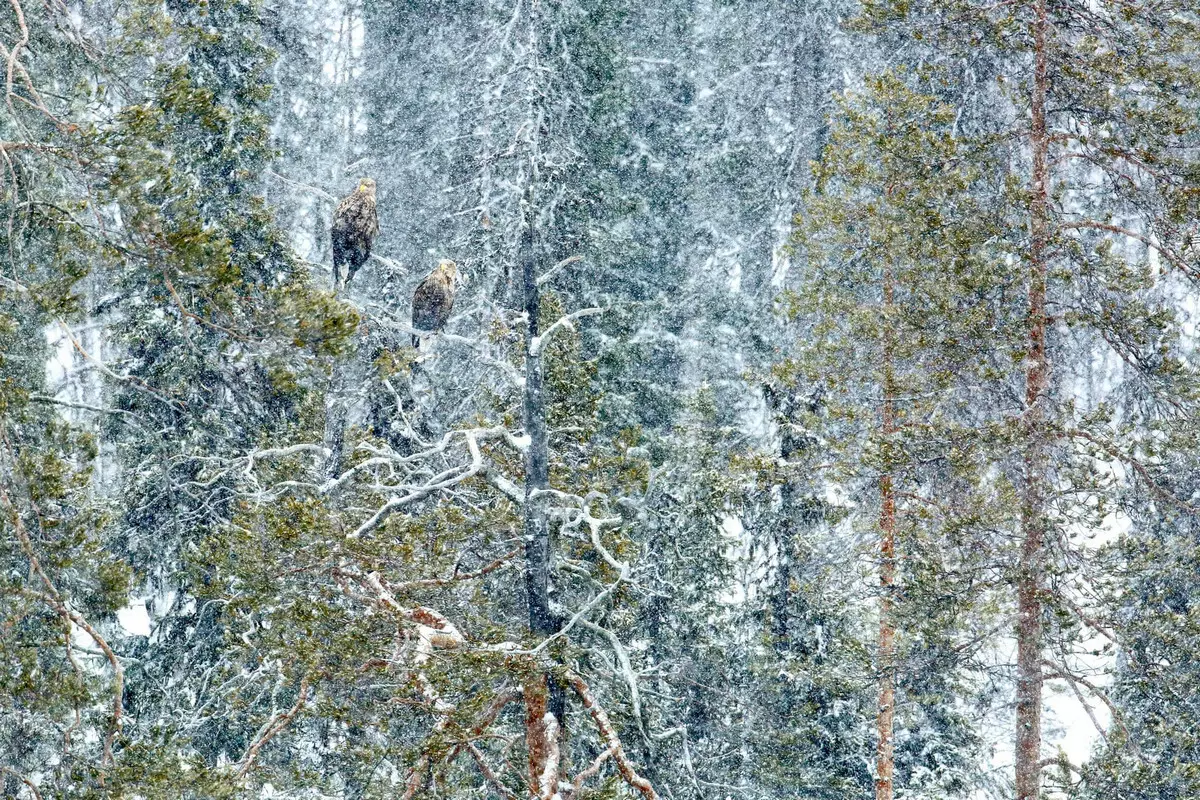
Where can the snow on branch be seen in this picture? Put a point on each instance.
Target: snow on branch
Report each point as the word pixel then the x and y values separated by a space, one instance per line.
pixel 444 480
pixel 568 321
pixel 433 629
pixel 582 613
pixel 626 669
pixel 283 452
pixel 546 276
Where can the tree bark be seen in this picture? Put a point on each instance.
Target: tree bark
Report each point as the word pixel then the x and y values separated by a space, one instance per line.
pixel 336 414
pixel 543 622
pixel 885 720
pixel 1033 524
pixel 537 457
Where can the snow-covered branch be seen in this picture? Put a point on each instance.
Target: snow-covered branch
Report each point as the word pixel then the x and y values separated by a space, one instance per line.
pixel 444 480
pixel 567 321
pixel 549 274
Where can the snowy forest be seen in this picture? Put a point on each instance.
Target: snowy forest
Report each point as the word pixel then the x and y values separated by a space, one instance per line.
pixel 575 400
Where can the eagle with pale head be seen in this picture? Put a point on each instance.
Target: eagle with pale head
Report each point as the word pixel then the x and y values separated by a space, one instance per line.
pixel 355 226
pixel 433 300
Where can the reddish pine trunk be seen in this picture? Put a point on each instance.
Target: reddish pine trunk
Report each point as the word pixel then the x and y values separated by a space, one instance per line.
pixel 884 756
pixel 884 761
pixel 541 739
pixel 1029 601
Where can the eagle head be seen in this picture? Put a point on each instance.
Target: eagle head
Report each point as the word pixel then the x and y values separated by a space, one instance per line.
pixel 367 185
pixel 448 271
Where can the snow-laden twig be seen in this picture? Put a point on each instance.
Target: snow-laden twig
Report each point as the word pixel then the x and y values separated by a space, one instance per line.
pixel 626 670
pixel 581 614
pixel 537 344
pixel 546 276
pixel 283 452
pixel 444 480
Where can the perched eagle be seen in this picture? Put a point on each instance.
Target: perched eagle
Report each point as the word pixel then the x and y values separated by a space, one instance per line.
pixel 433 300
pixel 355 225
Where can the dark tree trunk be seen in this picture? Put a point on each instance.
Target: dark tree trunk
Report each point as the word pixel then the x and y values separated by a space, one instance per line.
pixel 542 621
pixel 335 420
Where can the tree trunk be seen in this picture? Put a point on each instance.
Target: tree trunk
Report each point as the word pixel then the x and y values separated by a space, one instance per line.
pixel 1029 604
pixel 537 459
pixel 336 413
pixel 885 721
pixel 542 729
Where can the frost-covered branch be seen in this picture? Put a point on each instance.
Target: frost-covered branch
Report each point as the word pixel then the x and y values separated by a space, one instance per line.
pixel 537 344
pixel 549 274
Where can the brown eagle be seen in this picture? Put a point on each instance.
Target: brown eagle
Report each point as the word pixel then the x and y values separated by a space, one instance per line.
pixel 433 300
pixel 355 225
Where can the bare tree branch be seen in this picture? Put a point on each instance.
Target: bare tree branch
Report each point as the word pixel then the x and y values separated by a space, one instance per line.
pixel 604 725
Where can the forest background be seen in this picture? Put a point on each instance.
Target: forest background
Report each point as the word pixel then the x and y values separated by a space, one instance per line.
pixel 816 419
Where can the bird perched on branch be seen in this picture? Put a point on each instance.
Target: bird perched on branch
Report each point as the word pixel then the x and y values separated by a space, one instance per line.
pixel 433 300
pixel 355 225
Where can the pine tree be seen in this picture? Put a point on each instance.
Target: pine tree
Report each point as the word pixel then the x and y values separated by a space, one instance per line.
pixel 1097 191
pixel 897 302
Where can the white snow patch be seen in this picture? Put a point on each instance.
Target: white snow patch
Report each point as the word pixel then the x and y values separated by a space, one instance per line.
pixel 134 619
